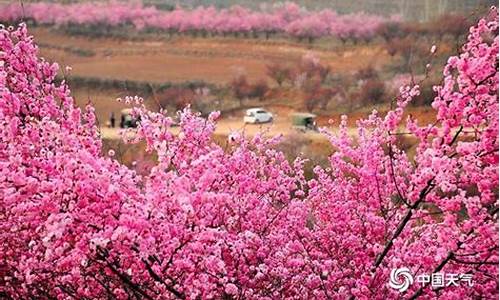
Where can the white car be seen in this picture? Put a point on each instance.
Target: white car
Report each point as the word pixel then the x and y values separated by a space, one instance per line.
pixel 257 115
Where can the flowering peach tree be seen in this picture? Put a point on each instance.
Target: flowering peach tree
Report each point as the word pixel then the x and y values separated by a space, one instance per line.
pixel 241 221
pixel 286 18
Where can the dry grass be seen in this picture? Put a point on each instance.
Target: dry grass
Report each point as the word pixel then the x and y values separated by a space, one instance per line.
pixel 215 60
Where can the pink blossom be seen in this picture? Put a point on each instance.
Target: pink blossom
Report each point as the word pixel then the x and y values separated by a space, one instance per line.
pixel 208 221
pixel 286 18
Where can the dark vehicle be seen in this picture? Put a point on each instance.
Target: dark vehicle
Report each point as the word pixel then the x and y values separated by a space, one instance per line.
pixel 304 121
pixel 127 120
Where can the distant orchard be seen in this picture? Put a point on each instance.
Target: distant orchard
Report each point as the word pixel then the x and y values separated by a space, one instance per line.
pixel 288 18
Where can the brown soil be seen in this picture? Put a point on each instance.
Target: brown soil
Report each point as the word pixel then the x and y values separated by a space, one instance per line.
pixel 214 60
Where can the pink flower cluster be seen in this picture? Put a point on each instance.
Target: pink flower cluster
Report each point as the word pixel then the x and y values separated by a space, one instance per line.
pixel 287 18
pixel 241 221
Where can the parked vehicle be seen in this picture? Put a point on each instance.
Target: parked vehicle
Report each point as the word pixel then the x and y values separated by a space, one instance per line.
pixel 304 121
pixel 257 116
pixel 127 120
